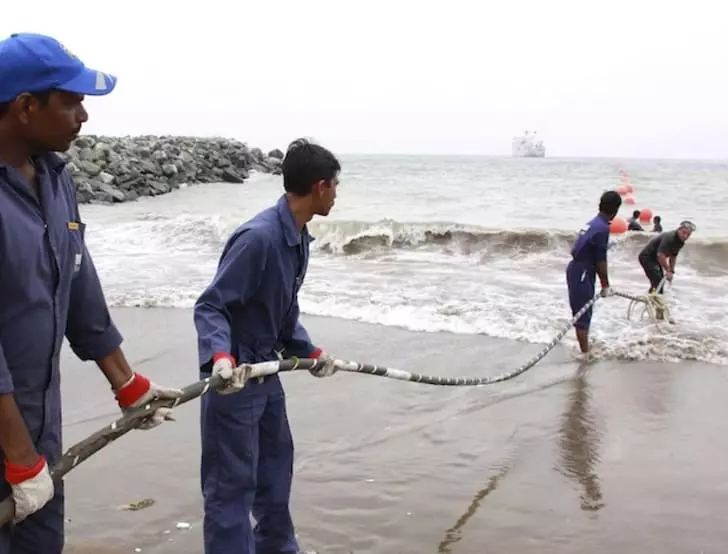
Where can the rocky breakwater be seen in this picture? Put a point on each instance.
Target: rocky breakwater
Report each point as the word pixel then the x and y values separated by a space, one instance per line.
pixel 120 169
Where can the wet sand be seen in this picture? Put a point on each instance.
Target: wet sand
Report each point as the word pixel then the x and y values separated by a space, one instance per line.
pixel 613 457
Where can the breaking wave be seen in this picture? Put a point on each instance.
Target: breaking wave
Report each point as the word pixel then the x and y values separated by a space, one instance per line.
pixel 356 238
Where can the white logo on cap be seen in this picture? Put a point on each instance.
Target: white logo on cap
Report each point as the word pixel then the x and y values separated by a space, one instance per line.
pixel 100 81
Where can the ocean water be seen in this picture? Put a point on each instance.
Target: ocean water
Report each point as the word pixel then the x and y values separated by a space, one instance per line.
pixel 471 245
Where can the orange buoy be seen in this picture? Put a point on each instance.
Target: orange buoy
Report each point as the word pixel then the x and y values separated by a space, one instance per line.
pixel 629 199
pixel 629 188
pixel 618 226
pixel 622 191
pixel 645 215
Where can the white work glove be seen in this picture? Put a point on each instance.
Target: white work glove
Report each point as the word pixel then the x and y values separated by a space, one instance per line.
pixel 139 391
pixel 32 493
pixel 606 291
pixel 225 367
pixel 326 366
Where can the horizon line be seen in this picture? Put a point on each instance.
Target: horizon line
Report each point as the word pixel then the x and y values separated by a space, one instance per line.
pixel 422 154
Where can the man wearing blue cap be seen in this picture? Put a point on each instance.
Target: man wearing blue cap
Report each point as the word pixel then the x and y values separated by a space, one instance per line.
pixel 48 283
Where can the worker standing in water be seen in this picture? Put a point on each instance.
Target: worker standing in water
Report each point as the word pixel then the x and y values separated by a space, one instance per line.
pixel 658 225
pixel 589 259
pixel 633 223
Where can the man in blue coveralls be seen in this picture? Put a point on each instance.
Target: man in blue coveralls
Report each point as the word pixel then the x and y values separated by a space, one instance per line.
pixel 589 258
pixel 48 284
pixel 248 314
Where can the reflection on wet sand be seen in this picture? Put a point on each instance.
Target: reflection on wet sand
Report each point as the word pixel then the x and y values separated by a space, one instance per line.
pixel 579 437
pixel 453 534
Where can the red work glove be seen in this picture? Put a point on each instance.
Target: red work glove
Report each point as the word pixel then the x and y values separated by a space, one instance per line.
pixel 32 487
pixel 139 391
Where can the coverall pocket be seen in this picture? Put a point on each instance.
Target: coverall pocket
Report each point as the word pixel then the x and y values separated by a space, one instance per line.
pixel 76 236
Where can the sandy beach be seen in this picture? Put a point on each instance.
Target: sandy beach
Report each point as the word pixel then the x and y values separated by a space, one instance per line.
pixel 614 457
pixel 470 150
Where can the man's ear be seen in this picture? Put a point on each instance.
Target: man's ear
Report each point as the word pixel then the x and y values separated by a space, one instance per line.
pixel 24 106
pixel 320 186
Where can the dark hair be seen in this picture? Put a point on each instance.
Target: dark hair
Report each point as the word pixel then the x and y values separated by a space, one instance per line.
pixel 610 202
pixel 305 164
pixel 657 219
pixel 42 97
pixel 636 213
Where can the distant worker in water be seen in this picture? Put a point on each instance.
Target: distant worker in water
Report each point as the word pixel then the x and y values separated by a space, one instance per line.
pixel 589 258
pixel 659 255
pixel 658 225
pixel 633 223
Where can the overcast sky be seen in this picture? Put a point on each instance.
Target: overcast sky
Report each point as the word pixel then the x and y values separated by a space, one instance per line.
pixel 617 78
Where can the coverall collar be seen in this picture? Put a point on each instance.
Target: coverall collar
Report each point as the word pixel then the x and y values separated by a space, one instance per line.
pixel 288 221
pixel 48 160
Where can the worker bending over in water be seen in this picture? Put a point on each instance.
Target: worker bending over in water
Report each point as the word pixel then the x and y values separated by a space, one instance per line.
pixel 589 259
pixel 659 256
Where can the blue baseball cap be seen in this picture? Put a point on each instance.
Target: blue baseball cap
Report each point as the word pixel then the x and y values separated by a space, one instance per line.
pixel 34 63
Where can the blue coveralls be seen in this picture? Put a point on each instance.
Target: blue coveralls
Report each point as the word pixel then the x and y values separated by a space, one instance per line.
pixel 588 250
pixel 48 288
pixel 250 310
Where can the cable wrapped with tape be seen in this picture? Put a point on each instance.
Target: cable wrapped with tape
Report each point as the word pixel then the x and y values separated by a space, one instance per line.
pixel 84 449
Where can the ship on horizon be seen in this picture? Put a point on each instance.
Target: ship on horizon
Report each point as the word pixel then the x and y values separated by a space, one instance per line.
pixel 528 146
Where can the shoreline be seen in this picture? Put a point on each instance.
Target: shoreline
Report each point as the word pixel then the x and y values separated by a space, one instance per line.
pixel 561 351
